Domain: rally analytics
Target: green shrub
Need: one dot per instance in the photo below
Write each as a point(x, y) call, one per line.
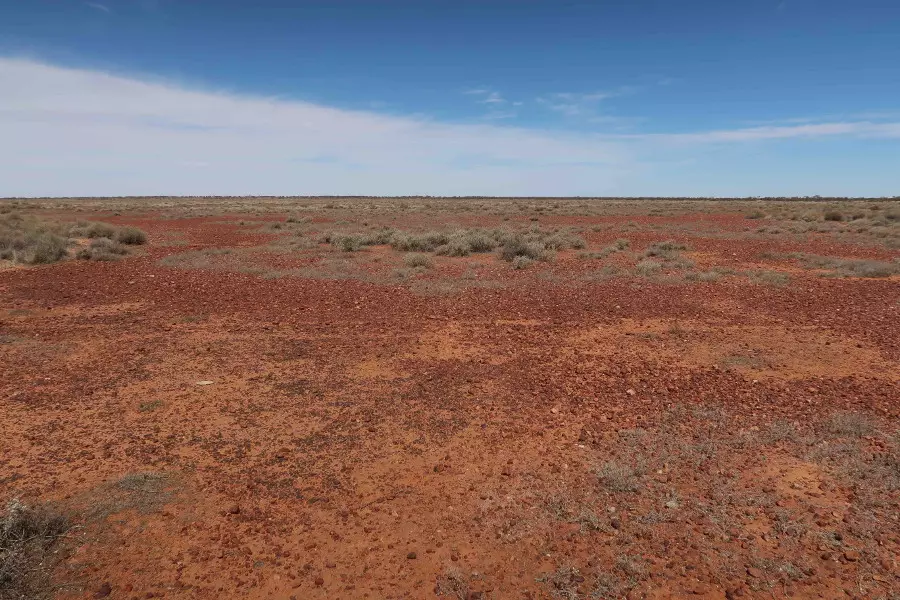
point(833, 215)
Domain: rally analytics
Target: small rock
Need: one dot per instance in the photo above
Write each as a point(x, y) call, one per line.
point(615, 523)
point(103, 591)
point(411, 556)
point(234, 509)
point(630, 391)
point(320, 581)
point(851, 555)
point(204, 383)
point(330, 565)
point(754, 572)
point(554, 410)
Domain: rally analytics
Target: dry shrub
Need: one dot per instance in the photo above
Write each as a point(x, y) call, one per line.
point(102, 249)
point(417, 260)
point(30, 241)
point(27, 536)
point(130, 236)
point(850, 424)
point(522, 262)
point(666, 250)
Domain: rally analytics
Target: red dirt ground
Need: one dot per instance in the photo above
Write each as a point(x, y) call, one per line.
point(367, 438)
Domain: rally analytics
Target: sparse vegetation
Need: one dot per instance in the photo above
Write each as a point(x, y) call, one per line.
point(618, 477)
point(29, 240)
point(851, 424)
point(847, 267)
point(664, 250)
point(102, 249)
point(522, 262)
point(453, 584)
point(27, 537)
point(131, 236)
point(603, 435)
point(417, 260)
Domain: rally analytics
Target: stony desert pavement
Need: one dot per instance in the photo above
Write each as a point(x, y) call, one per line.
point(459, 398)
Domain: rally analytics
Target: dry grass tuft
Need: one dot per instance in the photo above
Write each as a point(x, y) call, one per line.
point(27, 537)
point(102, 249)
point(850, 424)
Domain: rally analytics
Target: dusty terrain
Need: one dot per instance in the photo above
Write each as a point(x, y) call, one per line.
point(241, 410)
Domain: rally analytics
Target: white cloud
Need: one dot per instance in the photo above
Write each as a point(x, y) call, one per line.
point(749, 134)
point(98, 6)
point(79, 132)
point(488, 96)
point(582, 105)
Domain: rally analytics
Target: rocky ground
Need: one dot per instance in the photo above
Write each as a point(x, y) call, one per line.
point(240, 410)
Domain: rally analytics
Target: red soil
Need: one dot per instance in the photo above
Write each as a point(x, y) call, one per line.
point(359, 440)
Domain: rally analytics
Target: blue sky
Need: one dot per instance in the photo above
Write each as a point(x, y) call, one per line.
point(502, 97)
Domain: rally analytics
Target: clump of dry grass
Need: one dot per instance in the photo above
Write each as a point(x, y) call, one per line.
point(849, 424)
point(665, 250)
point(30, 241)
point(618, 477)
point(27, 536)
point(564, 583)
point(417, 260)
point(453, 584)
point(522, 262)
point(648, 267)
point(130, 235)
point(102, 249)
point(619, 245)
point(847, 267)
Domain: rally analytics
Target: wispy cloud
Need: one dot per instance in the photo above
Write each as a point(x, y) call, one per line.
point(98, 6)
point(859, 129)
point(581, 105)
point(81, 132)
point(486, 96)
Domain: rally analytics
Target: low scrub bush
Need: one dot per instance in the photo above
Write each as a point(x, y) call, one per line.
point(27, 535)
point(769, 278)
point(848, 267)
point(130, 236)
point(666, 250)
point(102, 249)
point(416, 260)
point(522, 262)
